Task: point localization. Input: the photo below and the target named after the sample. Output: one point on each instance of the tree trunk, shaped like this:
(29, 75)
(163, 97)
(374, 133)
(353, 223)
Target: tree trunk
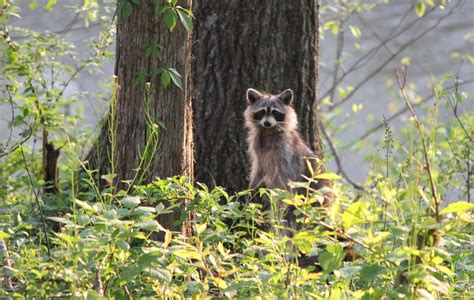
(169, 106)
(268, 45)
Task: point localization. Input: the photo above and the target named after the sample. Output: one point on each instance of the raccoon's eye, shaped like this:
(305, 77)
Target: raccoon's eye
(279, 116)
(259, 115)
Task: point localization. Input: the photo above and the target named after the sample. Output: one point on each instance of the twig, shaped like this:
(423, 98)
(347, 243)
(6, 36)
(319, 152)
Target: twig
(10, 101)
(37, 203)
(339, 51)
(401, 79)
(337, 158)
(396, 115)
(375, 49)
(6, 264)
(390, 58)
(455, 109)
(98, 286)
(469, 172)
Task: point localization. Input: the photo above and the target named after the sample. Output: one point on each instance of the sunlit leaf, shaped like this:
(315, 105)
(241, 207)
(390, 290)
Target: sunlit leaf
(457, 207)
(420, 8)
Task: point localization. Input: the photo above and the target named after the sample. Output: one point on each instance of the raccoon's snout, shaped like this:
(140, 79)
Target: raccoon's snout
(267, 122)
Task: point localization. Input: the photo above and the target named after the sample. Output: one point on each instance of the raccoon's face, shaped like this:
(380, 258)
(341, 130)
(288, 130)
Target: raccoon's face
(268, 111)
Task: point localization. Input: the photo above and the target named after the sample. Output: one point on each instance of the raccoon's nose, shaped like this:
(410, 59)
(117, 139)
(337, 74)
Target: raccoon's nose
(267, 124)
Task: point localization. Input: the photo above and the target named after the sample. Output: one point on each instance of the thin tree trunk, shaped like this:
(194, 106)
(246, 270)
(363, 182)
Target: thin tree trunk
(170, 106)
(269, 45)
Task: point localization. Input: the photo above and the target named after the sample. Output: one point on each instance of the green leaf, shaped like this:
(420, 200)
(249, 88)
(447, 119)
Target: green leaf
(355, 31)
(187, 254)
(33, 5)
(305, 241)
(167, 240)
(430, 3)
(131, 202)
(170, 19)
(122, 245)
(60, 220)
(457, 207)
(144, 210)
(369, 272)
(84, 205)
(49, 6)
(353, 215)
(4, 235)
(327, 176)
(148, 51)
(348, 271)
(151, 225)
(420, 8)
(176, 77)
(162, 275)
(331, 259)
(165, 78)
(140, 78)
(185, 20)
(127, 10)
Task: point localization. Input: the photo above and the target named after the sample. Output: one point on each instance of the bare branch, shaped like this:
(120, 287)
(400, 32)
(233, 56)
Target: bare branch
(398, 114)
(37, 203)
(337, 158)
(389, 59)
(401, 79)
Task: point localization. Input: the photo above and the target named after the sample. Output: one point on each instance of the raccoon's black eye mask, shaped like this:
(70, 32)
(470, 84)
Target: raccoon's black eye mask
(259, 115)
(279, 116)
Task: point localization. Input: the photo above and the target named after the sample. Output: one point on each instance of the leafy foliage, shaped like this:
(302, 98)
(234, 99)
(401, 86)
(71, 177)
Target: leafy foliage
(108, 243)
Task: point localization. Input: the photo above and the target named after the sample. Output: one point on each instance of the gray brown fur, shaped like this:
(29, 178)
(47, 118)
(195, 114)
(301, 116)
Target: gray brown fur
(278, 154)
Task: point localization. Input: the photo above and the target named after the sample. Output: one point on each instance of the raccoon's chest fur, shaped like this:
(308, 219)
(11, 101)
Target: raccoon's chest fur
(277, 161)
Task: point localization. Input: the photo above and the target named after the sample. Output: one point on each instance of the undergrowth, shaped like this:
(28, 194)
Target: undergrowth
(103, 243)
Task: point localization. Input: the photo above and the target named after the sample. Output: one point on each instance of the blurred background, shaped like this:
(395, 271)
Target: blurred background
(359, 51)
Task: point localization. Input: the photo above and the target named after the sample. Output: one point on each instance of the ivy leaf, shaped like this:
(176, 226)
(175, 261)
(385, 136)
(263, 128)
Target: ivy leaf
(127, 10)
(176, 77)
(148, 51)
(165, 78)
(420, 8)
(140, 78)
(185, 20)
(170, 19)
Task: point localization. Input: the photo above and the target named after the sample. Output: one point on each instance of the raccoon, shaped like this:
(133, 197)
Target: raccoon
(277, 151)
(279, 156)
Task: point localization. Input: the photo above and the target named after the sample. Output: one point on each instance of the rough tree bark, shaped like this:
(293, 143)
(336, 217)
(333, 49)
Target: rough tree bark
(269, 45)
(170, 105)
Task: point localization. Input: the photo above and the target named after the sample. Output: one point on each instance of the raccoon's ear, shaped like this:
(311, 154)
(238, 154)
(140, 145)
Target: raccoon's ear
(253, 96)
(286, 96)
